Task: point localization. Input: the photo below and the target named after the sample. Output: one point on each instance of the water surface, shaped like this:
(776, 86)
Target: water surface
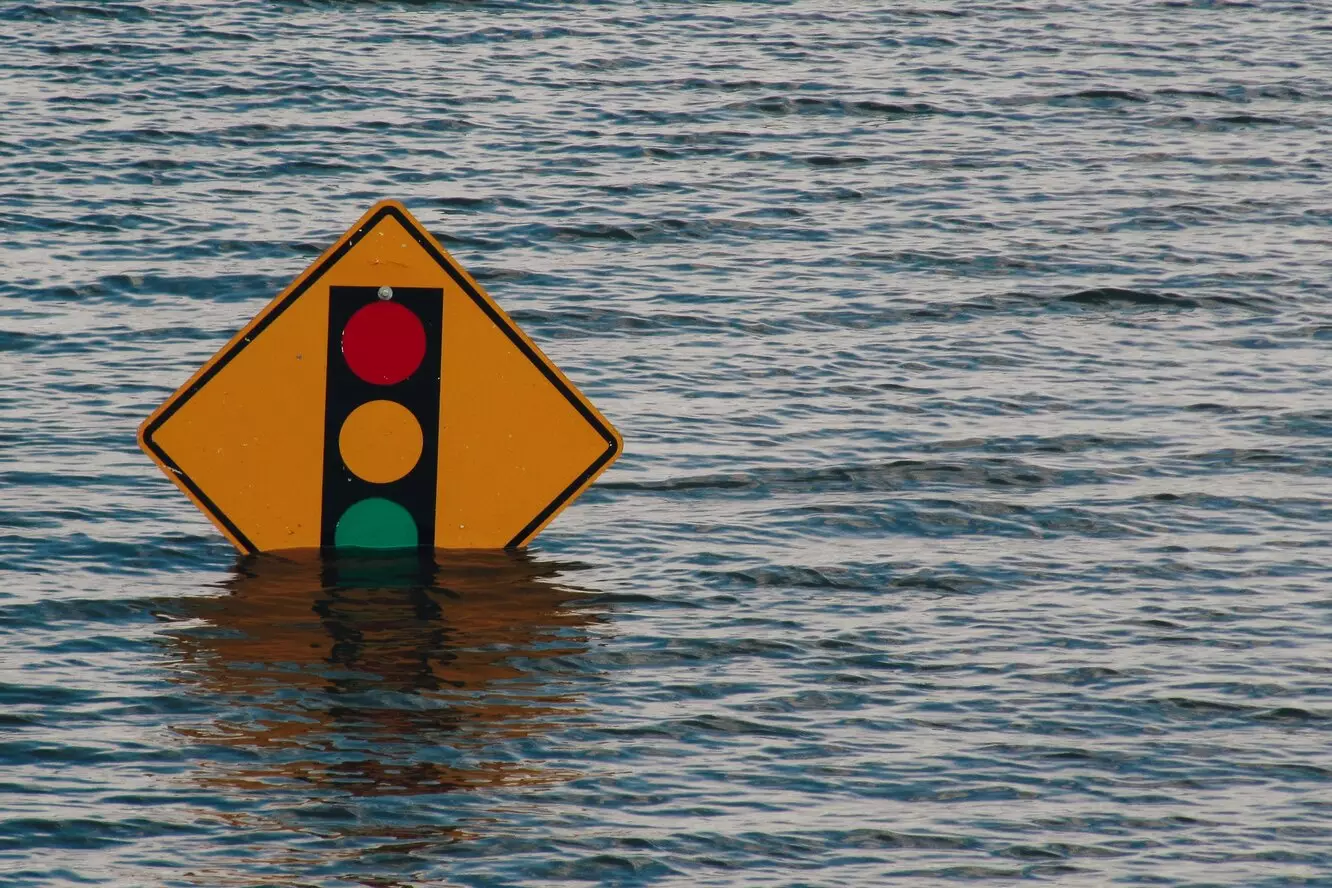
(971, 360)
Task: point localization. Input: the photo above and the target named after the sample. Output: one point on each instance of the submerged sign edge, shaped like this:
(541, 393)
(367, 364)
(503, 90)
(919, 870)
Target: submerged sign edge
(296, 289)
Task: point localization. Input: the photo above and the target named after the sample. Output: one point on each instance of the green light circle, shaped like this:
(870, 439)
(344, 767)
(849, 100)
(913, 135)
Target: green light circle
(376, 523)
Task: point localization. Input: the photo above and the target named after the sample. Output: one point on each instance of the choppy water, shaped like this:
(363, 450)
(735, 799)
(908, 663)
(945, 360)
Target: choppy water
(972, 363)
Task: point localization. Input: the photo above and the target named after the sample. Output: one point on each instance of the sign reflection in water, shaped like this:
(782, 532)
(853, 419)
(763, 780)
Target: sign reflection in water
(333, 682)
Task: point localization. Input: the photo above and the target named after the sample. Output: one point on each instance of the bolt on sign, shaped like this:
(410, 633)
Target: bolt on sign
(381, 401)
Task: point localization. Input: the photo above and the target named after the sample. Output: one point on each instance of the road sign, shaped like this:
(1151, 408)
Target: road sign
(383, 400)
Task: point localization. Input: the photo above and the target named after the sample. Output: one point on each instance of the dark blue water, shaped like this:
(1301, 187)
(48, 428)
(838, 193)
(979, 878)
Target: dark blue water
(972, 360)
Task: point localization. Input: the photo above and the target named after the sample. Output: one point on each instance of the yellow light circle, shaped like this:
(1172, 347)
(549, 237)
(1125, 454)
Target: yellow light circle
(380, 441)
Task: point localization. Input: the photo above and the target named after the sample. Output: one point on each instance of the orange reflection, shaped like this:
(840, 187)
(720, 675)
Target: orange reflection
(389, 675)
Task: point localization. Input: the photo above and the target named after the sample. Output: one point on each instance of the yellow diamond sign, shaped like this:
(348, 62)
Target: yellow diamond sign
(383, 400)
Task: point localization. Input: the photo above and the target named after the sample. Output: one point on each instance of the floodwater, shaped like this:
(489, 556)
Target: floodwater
(972, 361)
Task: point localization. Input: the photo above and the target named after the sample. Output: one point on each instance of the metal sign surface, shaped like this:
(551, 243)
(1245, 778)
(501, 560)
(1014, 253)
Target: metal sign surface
(383, 400)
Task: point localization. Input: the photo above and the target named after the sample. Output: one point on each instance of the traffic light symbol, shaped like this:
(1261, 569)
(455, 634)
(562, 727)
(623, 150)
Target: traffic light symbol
(381, 422)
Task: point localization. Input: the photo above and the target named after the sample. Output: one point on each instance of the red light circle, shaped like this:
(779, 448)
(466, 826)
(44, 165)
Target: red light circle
(384, 343)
